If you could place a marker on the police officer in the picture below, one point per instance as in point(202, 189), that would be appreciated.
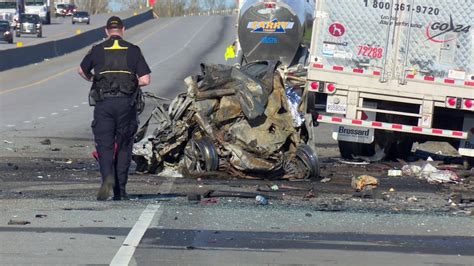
point(119, 69)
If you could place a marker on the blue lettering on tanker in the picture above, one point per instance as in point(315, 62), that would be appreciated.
point(269, 40)
point(273, 26)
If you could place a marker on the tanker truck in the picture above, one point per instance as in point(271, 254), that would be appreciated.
point(275, 30)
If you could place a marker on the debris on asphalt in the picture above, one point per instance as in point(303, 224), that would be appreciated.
point(261, 200)
point(391, 189)
point(230, 194)
point(394, 172)
point(55, 149)
point(431, 173)
point(275, 187)
point(41, 215)
point(210, 201)
point(357, 162)
point(18, 222)
point(194, 197)
point(412, 199)
point(46, 142)
point(325, 180)
point(309, 195)
point(7, 142)
point(238, 121)
point(364, 181)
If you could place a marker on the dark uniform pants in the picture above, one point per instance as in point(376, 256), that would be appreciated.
point(115, 123)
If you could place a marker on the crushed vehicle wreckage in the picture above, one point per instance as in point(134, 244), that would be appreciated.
point(240, 121)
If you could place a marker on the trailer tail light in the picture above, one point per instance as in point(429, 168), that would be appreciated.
point(314, 86)
point(331, 88)
point(452, 102)
point(468, 103)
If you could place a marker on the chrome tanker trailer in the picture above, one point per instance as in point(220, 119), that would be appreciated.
point(275, 30)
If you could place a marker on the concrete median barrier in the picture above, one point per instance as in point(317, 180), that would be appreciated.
point(22, 56)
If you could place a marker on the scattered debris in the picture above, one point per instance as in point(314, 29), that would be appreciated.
point(391, 189)
point(308, 215)
point(210, 201)
point(325, 180)
point(7, 142)
point(309, 195)
point(194, 197)
point(40, 177)
point(18, 222)
point(55, 149)
point(275, 187)
point(394, 172)
point(46, 142)
point(465, 197)
point(364, 181)
point(41, 215)
point(261, 200)
point(412, 199)
point(431, 173)
point(238, 121)
point(357, 162)
point(111, 237)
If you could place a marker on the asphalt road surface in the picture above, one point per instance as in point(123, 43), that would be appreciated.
point(60, 28)
point(47, 191)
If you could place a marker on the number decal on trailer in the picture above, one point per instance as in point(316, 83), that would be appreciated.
point(371, 52)
point(385, 5)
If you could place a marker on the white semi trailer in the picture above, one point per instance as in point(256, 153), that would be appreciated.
point(39, 7)
point(8, 10)
point(392, 72)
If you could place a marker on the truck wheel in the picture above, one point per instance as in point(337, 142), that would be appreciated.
point(349, 149)
point(468, 162)
point(400, 149)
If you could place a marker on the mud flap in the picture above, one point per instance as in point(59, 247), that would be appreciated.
point(466, 147)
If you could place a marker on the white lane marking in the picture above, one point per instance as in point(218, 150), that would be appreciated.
point(126, 251)
point(10, 125)
point(84, 103)
point(75, 106)
point(26, 122)
point(41, 117)
point(185, 45)
point(54, 113)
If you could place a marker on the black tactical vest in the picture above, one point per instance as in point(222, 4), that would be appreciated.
point(115, 76)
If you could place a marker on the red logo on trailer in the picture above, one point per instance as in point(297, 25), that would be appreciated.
point(337, 29)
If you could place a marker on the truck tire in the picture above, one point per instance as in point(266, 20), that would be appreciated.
point(349, 149)
point(468, 162)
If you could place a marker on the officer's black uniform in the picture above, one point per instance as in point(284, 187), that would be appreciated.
point(116, 64)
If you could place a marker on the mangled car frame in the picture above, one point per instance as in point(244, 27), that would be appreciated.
point(236, 121)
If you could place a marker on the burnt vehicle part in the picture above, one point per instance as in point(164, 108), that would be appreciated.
point(232, 120)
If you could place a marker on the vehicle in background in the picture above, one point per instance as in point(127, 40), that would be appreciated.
point(81, 17)
point(58, 11)
point(8, 10)
point(396, 73)
point(40, 8)
point(6, 31)
point(69, 10)
point(29, 24)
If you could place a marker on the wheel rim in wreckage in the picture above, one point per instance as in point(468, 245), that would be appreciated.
point(200, 156)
